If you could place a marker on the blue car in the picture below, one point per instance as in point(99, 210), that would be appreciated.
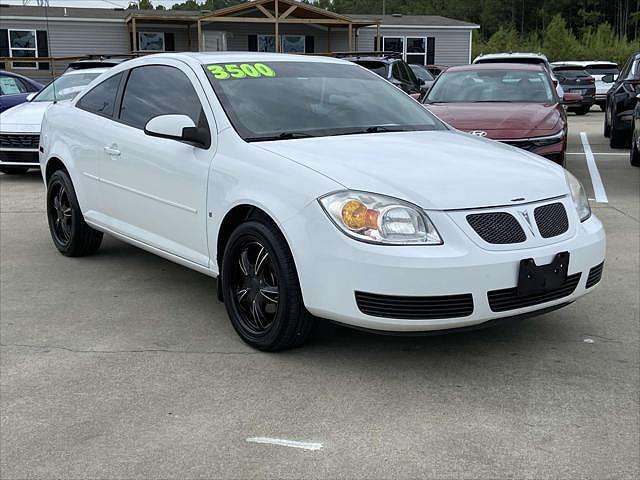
point(14, 89)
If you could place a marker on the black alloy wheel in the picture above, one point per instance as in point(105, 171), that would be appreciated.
point(70, 233)
point(60, 214)
point(261, 290)
point(255, 287)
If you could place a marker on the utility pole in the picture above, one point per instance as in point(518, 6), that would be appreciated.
point(384, 7)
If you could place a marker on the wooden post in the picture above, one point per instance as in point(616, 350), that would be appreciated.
point(277, 28)
point(199, 35)
point(188, 37)
point(134, 34)
point(350, 37)
point(329, 39)
point(378, 45)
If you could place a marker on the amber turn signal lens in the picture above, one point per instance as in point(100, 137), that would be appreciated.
point(356, 216)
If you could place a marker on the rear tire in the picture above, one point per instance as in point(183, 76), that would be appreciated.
point(261, 288)
point(69, 232)
point(618, 138)
point(607, 127)
point(13, 170)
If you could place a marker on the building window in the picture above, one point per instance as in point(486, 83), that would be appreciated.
point(151, 42)
point(416, 50)
point(23, 44)
point(289, 43)
point(393, 44)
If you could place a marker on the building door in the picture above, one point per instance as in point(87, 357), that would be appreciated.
point(214, 41)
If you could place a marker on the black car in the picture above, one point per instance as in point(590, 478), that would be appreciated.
point(634, 154)
point(621, 101)
point(574, 79)
point(389, 66)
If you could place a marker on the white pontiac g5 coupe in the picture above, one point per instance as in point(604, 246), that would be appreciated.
point(311, 187)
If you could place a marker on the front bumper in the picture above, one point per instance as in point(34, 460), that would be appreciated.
point(552, 147)
point(333, 267)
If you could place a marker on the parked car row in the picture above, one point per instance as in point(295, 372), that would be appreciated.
point(20, 125)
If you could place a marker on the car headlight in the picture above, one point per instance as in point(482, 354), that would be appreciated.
point(374, 218)
point(579, 196)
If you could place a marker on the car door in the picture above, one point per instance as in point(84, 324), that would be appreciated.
point(154, 189)
point(96, 109)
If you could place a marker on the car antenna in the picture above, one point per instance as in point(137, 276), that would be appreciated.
point(53, 79)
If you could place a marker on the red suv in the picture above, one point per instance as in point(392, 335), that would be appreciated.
point(514, 103)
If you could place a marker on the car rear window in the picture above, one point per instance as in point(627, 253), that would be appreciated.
point(571, 72)
point(11, 86)
point(602, 69)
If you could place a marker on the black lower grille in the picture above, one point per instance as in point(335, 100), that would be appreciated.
point(497, 227)
point(23, 157)
point(12, 140)
point(508, 299)
point(551, 219)
point(595, 275)
point(415, 308)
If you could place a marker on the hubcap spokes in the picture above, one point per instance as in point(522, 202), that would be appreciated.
point(256, 287)
point(61, 215)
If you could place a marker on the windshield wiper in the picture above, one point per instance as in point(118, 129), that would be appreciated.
point(383, 128)
point(280, 136)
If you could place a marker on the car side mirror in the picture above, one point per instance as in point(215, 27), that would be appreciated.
point(569, 98)
point(638, 96)
point(609, 78)
point(180, 128)
point(31, 96)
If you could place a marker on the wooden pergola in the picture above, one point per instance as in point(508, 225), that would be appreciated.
point(138, 17)
point(285, 12)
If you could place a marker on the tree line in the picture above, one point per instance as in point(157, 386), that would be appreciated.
point(562, 29)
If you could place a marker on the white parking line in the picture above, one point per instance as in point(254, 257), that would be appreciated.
point(596, 180)
point(286, 443)
point(599, 153)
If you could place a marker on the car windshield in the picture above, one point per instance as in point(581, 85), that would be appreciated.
point(422, 73)
point(284, 100)
point(66, 87)
point(491, 86)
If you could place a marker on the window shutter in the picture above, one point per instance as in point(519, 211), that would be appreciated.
point(431, 51)
point(43, 48)
point(170, 42)
point(252, 43)
point(4, 42)
point(309, 44)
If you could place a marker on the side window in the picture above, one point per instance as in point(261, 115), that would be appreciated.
point(11, 86)
point(101, 99)
point(397, 73)
point(159, 90)
point(411, 76)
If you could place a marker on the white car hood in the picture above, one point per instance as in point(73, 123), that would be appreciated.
point(26, 117)
point(440, 170)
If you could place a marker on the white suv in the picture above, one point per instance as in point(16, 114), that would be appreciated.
point(519, 57)
point(312, 187)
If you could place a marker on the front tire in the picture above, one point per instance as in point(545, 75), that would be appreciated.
point(69, 232)
point(261, 289)
point(13, 170)
point(634, 155)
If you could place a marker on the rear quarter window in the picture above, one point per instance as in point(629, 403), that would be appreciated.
point(101, 99)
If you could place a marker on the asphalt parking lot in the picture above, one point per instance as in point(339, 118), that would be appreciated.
point(125, 365)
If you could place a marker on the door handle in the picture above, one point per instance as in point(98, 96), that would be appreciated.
point(112, 151)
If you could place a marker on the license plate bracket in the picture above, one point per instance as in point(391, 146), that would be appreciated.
point(533, 279)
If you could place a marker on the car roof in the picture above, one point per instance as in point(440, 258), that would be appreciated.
point(496, 66)
point(217, 57)
point(85, 70)
point(584, 63)
point(490, 56)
